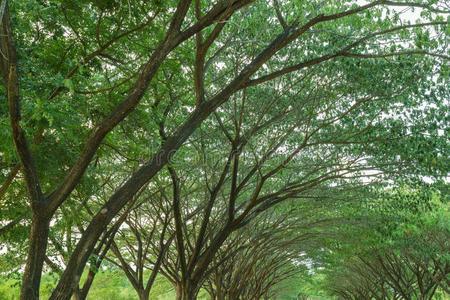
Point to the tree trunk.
(31, 280)
(83, 292)
(178, 291)
(221, 296)
(77, 295)
(143, 295)
(74, 269)
(220, 292)
(186, 291)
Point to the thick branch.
(9, 61)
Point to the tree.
(255, 260)
(407, 259)
(140, 247)
(80, 59)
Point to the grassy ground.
(110, 285)
(113, 285)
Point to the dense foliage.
(227, 149)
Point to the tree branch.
(11, 79)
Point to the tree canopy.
(227, 147)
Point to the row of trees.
(208, 142)
(404, 255)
